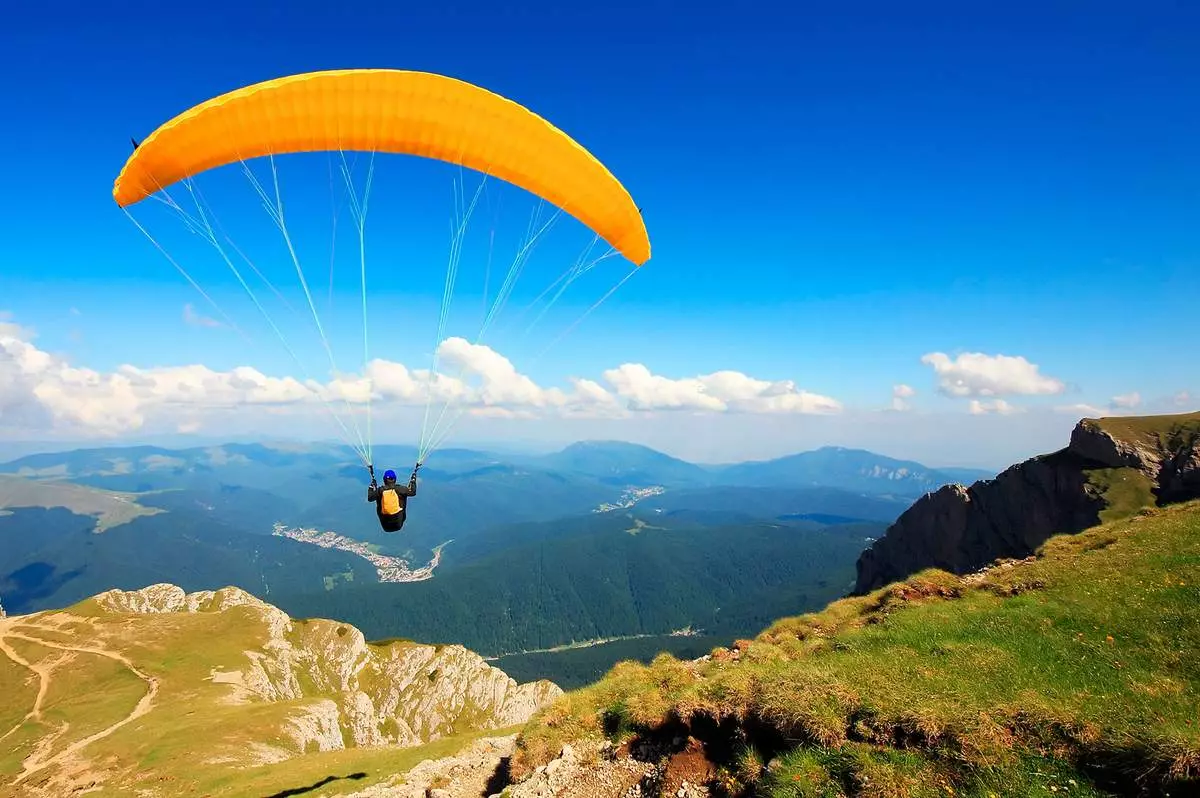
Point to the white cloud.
(720, 391)
(974, 374)
(646, 391)
(1127, 401)
(500, 382)
(1182, 399)
(190, 316)
(39, 390)
(900, 396)
(997, 406)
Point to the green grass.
(1125, 491)
(349, 770)
(18, 686)
(89, 692)
(1160, 431)
(864, 770)
(1084, 655)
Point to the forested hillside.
(616, 578)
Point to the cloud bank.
(43, 391)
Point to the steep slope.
(1070, 673)
(134, 690)
(1111, 468)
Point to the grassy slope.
(1075, 671)
(192, 721)
(1155, 431)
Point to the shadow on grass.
(315, 786)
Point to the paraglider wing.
(396, 111)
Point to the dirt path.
(41, 758)
(43, 674)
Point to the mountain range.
(464, 492)
(1062, 668)
(498, 546)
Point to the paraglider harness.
(391, 501)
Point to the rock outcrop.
(471, 773)
(347, 691)
(961, 529)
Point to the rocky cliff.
(1111, 467)
(157, 685)
(398, 693)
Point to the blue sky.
(832, 192)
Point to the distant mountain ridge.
(615, 463)
(464, 493)
(837, 466)
(622, 463)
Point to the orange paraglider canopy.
(396, 111)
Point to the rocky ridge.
(359, 694)
(960, 529)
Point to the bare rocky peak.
(961, 529)
(163, 598)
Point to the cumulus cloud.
(45, 391)
(1182, 399)
(500, 382)
(996, 406)
(721, 391)
(900, 396)
(646, 391)
(975, 375)
(39, 390)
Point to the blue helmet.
(389, 475)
